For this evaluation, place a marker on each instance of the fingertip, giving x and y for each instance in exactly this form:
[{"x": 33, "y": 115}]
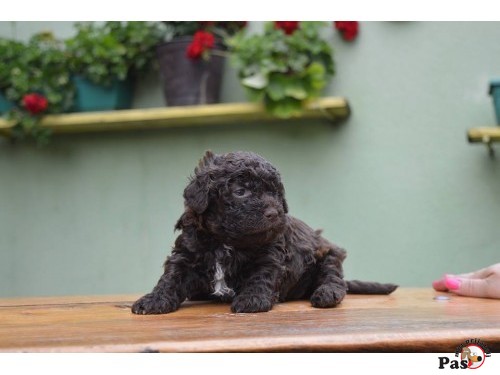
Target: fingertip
[
  {"x": 452, "y": 283},
  {"x": 439, "y": 286}
]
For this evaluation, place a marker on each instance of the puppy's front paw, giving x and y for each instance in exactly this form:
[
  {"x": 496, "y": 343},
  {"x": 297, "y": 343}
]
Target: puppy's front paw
[
  {"x": 154, "y": 304},
  {"x": 327, "y": 296},
  {"x": 250, "y": 304}
]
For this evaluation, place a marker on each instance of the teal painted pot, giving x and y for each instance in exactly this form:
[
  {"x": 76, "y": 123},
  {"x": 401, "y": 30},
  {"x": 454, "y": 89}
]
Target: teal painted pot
[
  {"x": 495, "y": 94},
  {"x": 90, "y": 97},
  {"x": 5, "y": 104}
]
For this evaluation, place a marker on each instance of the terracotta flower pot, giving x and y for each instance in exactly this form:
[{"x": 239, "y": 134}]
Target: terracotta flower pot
[{"x": 189, "y": 81}]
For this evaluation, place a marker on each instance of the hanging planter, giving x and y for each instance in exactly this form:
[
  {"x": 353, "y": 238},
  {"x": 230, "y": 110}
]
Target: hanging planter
[
  {"x": 10, "y": 53},
  {"x": 5, "y": 105},
  {"x": 495, "y": 94},
  {"x": 93, "y": 97},
  {"x": 190, "y": 80}
]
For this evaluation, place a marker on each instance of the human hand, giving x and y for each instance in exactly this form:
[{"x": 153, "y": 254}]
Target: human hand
[{"x": 482, "y": 283}]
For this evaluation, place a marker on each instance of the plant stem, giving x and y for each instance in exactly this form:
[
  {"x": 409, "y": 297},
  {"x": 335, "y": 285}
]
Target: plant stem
[{"x": 220, "y": 53}]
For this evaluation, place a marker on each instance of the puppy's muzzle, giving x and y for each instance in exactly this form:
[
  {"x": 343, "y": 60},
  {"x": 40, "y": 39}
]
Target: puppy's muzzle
[{"x": 271, "y": 214}]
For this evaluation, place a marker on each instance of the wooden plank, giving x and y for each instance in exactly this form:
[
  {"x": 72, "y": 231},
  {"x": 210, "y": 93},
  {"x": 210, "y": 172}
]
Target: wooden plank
[
  {"x": 407, "y": 320},
  {"x": 62, "y": 300},
  {"x": 484, "y": 134},
  {"x": 333, "y": 108}
]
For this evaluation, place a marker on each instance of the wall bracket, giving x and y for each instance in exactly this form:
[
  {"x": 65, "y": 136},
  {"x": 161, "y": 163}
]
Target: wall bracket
[{"x": 486, "y": 136}]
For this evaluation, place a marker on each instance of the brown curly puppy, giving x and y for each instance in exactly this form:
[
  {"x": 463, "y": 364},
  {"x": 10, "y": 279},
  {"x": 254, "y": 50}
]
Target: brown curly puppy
[{"x": 238, "y": 244}]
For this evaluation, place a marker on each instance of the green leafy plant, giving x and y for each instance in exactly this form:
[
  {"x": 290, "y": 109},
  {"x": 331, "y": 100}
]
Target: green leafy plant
[
  {"x": 182, "y": 28},
  {"x": 285, "y": 67},
  {"x": 10, "y": 50},
  {"x": 113, "y": 50},
  {"x": 34, "y": 77}
]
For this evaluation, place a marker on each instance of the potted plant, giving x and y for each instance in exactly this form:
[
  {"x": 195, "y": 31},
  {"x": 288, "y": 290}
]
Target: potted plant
[
  {"x": 10, "y": 50},
  {"x": 285, "y": 67},
  {"x": 38, "y": 83},
  {"x": 105, "y": 60},
  {"x": 494, "y": 91},
  {"x": 192, "y": 60}
]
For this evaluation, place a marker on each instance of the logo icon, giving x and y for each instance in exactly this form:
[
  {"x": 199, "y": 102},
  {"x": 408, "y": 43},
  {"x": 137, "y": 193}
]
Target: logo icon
[{"x": 472, "y": 354}]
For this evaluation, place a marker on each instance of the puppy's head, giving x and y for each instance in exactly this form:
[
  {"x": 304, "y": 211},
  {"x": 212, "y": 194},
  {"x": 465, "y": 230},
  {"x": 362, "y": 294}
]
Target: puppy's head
[{"x": 237, "y": 197}]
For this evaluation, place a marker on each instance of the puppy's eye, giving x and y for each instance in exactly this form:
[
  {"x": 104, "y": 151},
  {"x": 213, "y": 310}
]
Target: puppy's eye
[{"x": 242, "y": 193}]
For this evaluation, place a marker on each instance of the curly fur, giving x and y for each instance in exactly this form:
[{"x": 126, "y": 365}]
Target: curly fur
[{"x": 239, "y": 245}]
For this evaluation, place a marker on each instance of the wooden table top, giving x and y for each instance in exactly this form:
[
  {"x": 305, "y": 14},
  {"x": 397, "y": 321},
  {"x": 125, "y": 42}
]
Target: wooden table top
[{"x": 408, "y": 320}]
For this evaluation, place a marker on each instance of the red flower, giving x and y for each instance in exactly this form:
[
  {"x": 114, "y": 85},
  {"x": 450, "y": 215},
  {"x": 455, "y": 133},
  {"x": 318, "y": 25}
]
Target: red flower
[
  {"x": 348, "y": 29},
  {"x": 205, "y": 38},
  {"x": 288, "y": 27},
  {"x": 202, "y": 41},
  {"x": 35, "y": 103},
  {"x": 194, "y": 50}
]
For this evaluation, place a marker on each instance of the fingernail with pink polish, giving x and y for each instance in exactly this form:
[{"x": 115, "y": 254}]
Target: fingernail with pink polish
[{"x": 452, "y": 283}]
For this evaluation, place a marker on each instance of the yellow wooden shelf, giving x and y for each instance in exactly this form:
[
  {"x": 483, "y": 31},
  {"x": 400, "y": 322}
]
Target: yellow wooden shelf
[
  {"x": 484, "y": 134},
  {"x": 332, "y": 108}
]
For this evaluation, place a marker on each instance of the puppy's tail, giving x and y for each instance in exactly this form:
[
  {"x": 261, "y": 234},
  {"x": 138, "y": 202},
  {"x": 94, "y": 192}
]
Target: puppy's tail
[{"x": 368, "y": 287}]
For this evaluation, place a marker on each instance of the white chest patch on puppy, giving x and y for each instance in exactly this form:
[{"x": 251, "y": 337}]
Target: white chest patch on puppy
[{"x": 219, "y": 282}]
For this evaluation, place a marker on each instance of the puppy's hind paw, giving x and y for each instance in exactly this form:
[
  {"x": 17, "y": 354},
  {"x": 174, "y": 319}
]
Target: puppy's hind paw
[
  {"x": 154, "y": 304},
  {"x": 327, "y": 296}
]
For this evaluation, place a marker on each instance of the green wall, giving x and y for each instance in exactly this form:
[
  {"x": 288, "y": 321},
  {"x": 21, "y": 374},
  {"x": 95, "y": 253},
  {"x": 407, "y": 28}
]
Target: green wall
[{"x": 397, "y": 185}]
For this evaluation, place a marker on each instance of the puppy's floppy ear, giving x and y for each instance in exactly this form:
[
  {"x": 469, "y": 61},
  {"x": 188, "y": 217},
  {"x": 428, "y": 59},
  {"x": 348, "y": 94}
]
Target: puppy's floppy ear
[
  {"x": 282, "y": 191},
  {"x": 196, "y": 193},
  {"x": 285, "y": 205},
  {"x": 465, "y": 353}
]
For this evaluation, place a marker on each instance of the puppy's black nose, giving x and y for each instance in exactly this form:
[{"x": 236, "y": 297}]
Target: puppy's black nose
[
  {"x": 271, "y": 213},
  {"x": 479, "y": 358}
]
